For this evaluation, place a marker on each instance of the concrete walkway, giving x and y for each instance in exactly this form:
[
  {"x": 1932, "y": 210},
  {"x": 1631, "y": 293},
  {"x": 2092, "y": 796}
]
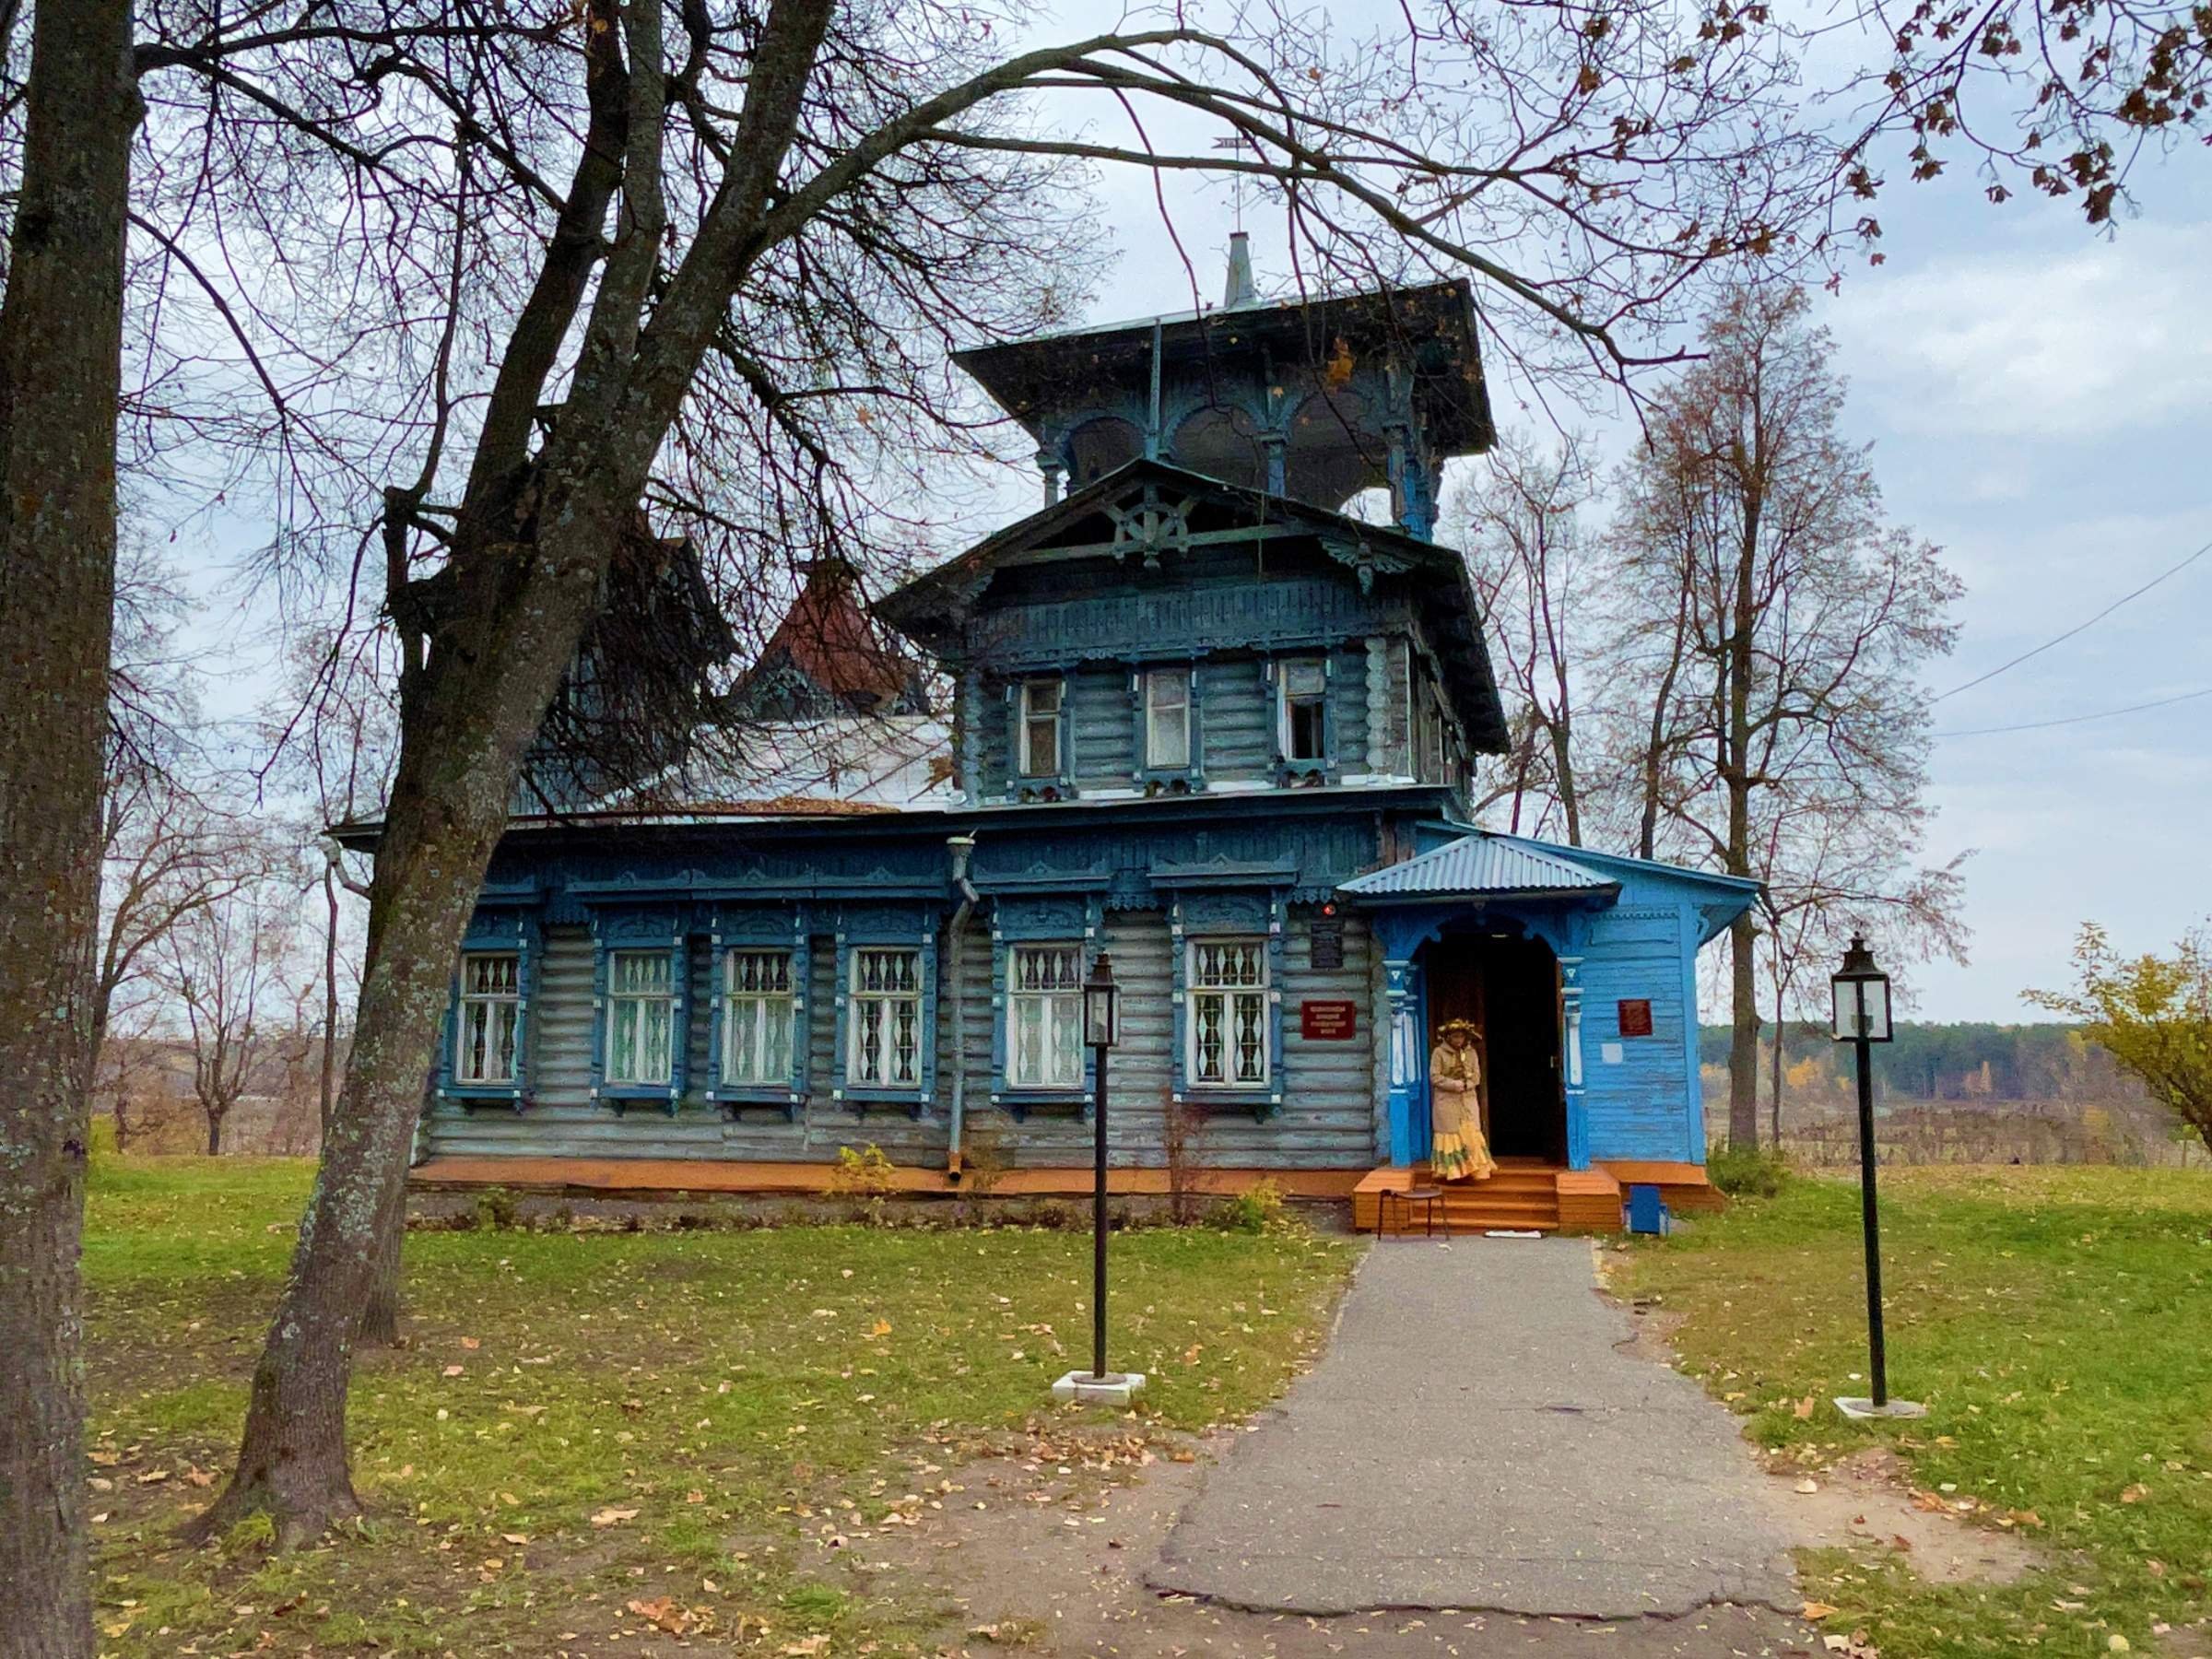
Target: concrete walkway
[{"x": 1475, "y": 1440}]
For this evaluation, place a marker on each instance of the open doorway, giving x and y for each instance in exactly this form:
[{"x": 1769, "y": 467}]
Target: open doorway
[{"x": 1508, "y": 985}]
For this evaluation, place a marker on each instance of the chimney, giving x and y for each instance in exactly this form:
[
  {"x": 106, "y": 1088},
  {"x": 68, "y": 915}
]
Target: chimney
[{"x": 1239, "y": 289}]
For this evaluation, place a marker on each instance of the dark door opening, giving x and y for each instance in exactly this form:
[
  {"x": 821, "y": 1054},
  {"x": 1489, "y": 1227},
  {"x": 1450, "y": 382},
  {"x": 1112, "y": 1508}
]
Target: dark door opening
[{"x": 1510, "y": 987}]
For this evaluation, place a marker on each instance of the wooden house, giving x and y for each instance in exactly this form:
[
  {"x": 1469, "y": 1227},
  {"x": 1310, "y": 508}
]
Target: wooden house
[{"x": 1203, "y": 720}]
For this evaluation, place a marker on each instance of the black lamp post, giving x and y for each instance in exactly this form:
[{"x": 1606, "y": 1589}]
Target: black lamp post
[
  {"x": 1860, "y": 999},
  {"x": 1101, "y": 1030}
]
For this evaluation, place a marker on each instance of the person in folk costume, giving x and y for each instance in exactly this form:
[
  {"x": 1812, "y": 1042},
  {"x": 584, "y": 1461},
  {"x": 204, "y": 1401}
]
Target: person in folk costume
[{"x": 1460, "y": 1151}]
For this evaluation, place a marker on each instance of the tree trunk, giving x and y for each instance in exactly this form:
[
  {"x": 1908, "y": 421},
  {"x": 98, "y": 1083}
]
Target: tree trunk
[
  {"x": 470, "y": 706},
  {"x": 330, "y": 997},
  {"x": 379, "y": 1323},
  {"x": 1735, "y": 774},
  {"x": 1776, "y": 1066},
  {"x": 474, "y": 716},
  {"x": 61, "y": 344},
  {"x": 1743, "y": 1036},
  {"x": 215, "y": 1133}
]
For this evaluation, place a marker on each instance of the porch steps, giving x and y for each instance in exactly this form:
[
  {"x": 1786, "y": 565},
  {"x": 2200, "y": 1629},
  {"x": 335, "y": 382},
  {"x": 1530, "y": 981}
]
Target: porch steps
[{"x": 1523, "y": 1197}]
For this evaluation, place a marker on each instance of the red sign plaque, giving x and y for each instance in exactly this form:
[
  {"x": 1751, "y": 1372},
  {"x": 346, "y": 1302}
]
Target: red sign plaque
[
  {"x": 1636, "y": 1018},
  {"x": 1328, "y": 1021}
]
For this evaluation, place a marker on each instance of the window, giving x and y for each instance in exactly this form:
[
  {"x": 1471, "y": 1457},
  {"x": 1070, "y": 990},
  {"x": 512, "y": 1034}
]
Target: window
[
  {"x": 1044, "y": 1016},
  {"x": 641, "y": 1017},
  {"x": 756, "y": 1018},
  {"x": 1228, "y": 1013},
  {"x": 1305, "y": 695},
  {"x": 1040, "y": 728},
  {"x": 492, "y": 1003},
  {"x": 885, "y": 1045},
  {"x": 1167, "y": 719}
]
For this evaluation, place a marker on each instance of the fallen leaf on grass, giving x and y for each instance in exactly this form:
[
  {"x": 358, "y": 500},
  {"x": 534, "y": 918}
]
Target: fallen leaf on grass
[
  {"x": 811, "y": 1644},
  {"x": 1803, "y": 1409},
  {"x": 153, "y": 1477},
  {"x": 609, "y": 1517},
  {"x": 470, "y": 1342},
  {"x": 514, "y": 1538},
  {"x": 663, "y": 1614},
  {"x": 1817, "y": 1611},
  {"x": 882, "y": 1327},
  {"x": 2135, "y": 1494},
  {"x": 453, "y": 1370}
]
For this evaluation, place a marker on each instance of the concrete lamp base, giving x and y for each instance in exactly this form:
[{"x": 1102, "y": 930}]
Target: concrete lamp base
[
  {"x": 1115, "y": 1388},
  {"x": 1861, "y": 1410}
]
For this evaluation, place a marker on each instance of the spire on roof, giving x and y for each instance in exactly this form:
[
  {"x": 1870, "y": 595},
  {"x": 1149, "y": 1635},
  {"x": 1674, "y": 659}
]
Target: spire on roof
[{"x": 1240, "y": 291}]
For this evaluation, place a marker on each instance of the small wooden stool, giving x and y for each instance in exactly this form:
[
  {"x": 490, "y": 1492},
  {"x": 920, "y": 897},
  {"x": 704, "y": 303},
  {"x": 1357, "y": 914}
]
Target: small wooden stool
[{"x": 1427, "y": 1197}]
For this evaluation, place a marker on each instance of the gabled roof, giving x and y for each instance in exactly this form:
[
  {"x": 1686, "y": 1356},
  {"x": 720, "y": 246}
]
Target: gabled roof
[
  {"x": 1479, "y": 865},
  {"x": 931, "y": 608},
  {"x": 829, "y": 657}
]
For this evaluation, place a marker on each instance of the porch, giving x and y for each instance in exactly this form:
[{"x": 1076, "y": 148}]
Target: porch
[{"x": 1529, "y": 1194}]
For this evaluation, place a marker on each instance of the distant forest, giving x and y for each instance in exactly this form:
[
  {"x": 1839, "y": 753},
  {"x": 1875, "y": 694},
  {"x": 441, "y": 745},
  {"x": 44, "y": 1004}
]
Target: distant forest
[
  {"x": 1953, "y": 1094},
  {"x": 1966, "y": 1061}
]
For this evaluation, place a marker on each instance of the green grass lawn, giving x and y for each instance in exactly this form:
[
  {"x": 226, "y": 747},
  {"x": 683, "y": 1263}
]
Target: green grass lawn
[
  {"x": 584, "y": 1421},
  {"x": 2057, "y": 1323}
]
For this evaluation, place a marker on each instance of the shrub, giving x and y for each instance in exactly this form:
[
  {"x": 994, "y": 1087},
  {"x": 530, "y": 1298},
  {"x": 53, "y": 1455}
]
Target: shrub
[
  {"x": 865, "y": 1174},
  {"x": 496, "y": 1209},
  {"x": 1748, "y": 1172},
  {"x": 1259, "y": 1208}
]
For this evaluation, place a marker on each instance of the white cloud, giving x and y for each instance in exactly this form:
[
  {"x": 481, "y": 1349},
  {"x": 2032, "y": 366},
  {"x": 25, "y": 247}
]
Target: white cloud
[{"x": 2032, "y": 343}]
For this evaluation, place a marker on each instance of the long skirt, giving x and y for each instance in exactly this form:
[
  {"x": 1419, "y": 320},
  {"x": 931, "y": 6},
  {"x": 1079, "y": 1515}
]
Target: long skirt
[{"x": 1459, "y": 1151}]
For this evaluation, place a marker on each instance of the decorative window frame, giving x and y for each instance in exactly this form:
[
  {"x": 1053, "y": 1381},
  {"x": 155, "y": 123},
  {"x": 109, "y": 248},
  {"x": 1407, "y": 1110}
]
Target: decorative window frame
[
  {"x": 1228, "y": 914},
  {"x": 1037, "y": 920},
  {"x": 786, "y": 927},
  {"x": 642, "y": 928},
  {"x": 876, "y": 927},
  {"x": 507, "y": 923},
  {"x": 1059, "y": 781},
  {"x": 1191, "y": 775},
  {"x": 1324, "y": 767}
]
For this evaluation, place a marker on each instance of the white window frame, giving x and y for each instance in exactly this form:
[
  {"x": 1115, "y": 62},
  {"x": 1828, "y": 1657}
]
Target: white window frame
[
  {"x": 859, "y": 1074},
  {"x": 776, "y": 1006},
  {"x": 1228, "y": 992},
  {"x": 1318, "y": 700},
  {"x": 1164, "y": 716},
  {"x": 629, "y": 1008},
  {"x": 490, "y": 1020},
  {"x": 1034, "y": 720},
  {"x": 1059, "y": 1009}
]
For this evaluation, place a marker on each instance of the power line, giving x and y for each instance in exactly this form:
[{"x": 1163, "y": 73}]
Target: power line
[
  {"x": 2038, "y": 725},
  {"x": 2070, "y": 632}
]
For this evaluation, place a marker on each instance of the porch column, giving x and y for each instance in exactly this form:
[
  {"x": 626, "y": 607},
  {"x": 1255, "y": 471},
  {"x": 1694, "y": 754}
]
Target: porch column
[
  {"x": 1399, "y": 1019},
  {"x": 1570, "y": 1060}
]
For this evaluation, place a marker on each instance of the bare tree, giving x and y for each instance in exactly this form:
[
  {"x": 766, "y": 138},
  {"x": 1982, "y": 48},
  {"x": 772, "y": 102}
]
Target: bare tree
[
  {"x": 61, "y": 345},
  {"x": 1530, "y": 556},
  {"x": 1752, "y": 544},
  {"x": 224, "y": 966},
  {"x": 1835, "y": 871}
]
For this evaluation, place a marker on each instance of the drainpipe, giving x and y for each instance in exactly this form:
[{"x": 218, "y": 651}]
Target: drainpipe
[{"x": 962, "y": 848}]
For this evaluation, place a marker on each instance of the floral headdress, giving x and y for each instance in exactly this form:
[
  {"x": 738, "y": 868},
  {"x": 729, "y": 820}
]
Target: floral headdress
[{"x": 1468, "y": 1026}]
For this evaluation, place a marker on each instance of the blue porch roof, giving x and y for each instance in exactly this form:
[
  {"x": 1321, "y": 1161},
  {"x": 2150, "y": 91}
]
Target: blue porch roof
[{"x": 1480, "y": 866}]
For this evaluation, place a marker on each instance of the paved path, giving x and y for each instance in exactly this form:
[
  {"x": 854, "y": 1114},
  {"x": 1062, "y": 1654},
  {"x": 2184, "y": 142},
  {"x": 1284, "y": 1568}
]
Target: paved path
[{"x": 1475, "y": 1440}]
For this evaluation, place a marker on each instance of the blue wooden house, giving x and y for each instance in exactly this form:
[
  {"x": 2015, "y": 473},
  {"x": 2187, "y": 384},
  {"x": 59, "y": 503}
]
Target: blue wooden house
[{"x": 1202, "y": 719}]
